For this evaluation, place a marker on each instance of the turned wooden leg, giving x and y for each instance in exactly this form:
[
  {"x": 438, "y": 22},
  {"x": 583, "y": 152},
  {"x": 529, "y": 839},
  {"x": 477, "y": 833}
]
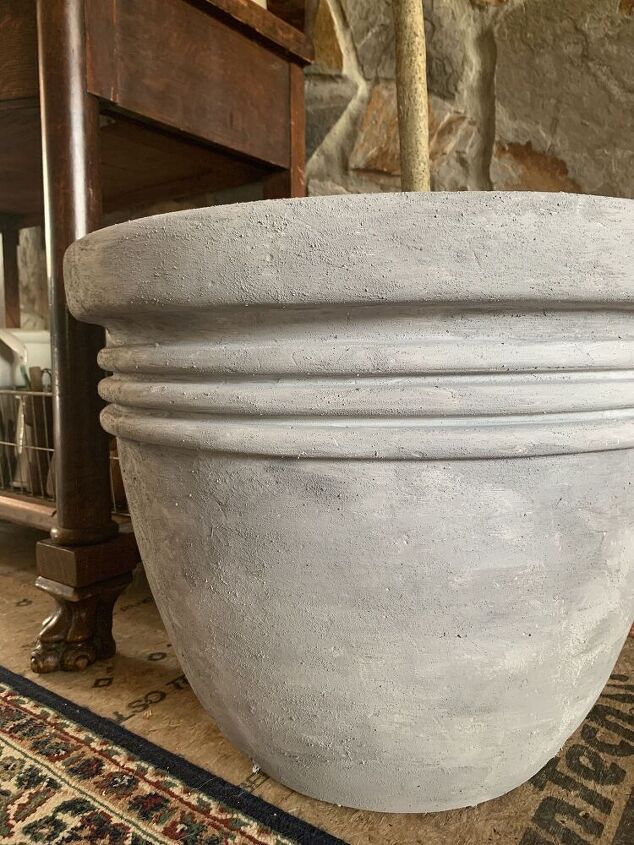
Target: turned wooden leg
[
  {"x": 79, "y": 631},
  {"x": 82, "y": 567}
]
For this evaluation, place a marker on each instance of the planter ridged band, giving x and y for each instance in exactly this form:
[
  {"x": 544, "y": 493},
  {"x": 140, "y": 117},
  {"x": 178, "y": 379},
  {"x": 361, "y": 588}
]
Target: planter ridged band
[{"x": 378, "y": 455}]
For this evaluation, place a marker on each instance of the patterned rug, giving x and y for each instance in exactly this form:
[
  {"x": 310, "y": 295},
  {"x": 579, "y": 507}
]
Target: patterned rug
[{"x": 70, "y": 776}]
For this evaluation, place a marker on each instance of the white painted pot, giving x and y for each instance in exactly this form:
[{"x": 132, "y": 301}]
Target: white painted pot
[{"x": 378, "y": 455}]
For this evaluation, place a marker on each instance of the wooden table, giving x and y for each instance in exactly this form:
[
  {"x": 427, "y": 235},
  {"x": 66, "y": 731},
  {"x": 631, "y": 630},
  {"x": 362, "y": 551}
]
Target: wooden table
[{"x": 121, "y": 103}]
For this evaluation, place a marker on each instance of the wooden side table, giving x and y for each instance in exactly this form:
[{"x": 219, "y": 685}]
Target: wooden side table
[{"x": 121, "y": 103}]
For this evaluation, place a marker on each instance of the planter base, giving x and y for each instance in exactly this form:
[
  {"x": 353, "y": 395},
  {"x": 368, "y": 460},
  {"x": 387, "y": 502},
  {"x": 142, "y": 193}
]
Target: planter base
[{"x": 401, "y": 636}]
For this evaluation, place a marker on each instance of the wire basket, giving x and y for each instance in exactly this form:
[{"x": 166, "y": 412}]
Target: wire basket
[
  {"x": 26, "y": 443},
  {"x": 27, "y": 456}
]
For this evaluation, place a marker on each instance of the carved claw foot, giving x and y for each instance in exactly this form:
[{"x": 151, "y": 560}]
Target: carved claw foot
[{"x": 79, "y": 631}]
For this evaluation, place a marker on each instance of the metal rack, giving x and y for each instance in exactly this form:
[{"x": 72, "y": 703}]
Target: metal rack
[
  {"x": 27, "y": 453},
  {"x": 26, "y": 443}
]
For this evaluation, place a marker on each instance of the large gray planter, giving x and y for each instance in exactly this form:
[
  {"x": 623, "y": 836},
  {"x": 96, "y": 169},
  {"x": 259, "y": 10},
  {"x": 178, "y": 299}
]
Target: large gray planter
[{"x": 378, "y": 454}]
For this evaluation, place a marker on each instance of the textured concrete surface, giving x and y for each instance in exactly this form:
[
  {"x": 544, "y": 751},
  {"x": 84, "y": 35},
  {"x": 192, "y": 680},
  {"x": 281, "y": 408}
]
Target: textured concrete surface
[
  {"x": 144, "y": 689},
  {"x": 377, "y": 450}
]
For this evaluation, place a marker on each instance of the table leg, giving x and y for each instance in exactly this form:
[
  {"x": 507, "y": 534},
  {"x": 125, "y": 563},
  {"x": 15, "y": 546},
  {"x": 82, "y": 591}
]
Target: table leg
[
  {"x": 291, "y": 182},
  {"x": 72, "y": 207}
]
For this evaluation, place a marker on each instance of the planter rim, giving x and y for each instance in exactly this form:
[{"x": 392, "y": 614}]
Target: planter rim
[
  {"x": 515, "y": 247},
  {"x": 392, "y": 326}
]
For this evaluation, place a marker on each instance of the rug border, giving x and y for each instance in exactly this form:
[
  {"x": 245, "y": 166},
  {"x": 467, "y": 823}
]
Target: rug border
[{"x": 193, "y": 776}]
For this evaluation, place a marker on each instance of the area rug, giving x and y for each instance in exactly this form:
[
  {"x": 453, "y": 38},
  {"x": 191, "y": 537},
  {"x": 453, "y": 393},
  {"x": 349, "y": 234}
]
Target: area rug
[{"x": 70, "y": 776}]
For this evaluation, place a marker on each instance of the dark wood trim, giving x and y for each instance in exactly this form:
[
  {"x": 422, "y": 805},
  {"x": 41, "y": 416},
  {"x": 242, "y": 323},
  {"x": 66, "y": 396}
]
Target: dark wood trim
[
  {"x": 72, "y": 207},
  {"x": 247, "y": 112},
  {"x": 298, "y": 133},
  {"x": 19, "y": 103},
  {"x": 296, "y": 13},
  {"x": 25, "y": 221},
  {"x": 268, "y": 28},
  {"x": 161, "y": 192},
  {"x": 28, "y": 512},
  {"x": 291, "y": 181},
  {"x": 214, "y": 169},
  {"x": 80, "y": 566},
  {"x": 101, "y": 49},
  {"x": 10, "y": 239},
  {"x": 18, "y": 49}
]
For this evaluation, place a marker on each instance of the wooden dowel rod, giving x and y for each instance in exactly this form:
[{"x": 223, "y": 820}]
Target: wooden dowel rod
[{"x": 411, "y": 88}]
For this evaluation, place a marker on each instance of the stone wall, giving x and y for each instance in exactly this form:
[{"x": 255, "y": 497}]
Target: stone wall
[{"x": 524, "y": 95}]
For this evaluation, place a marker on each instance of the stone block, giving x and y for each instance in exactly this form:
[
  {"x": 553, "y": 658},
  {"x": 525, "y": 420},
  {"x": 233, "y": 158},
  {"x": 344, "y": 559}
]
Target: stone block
[
  {"x": 564, "y": 97},
  {"x": 451, "y": 134},
  {"x": 328, "y": 53},
  {"x": 370, "y": 23},
  {"x": 519, "y": 167},
  {"x": 326, "y": 100},
  {"x": 377, "y": 143}
]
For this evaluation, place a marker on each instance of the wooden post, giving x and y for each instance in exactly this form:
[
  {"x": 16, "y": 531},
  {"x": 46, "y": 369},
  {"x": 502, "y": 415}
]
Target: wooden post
[
  {"x": 85, "y": 565},
  {"x": 72, "y": 208},
  {"x": 411, "y": 88},
  {"x": 291, "y": 183}
]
